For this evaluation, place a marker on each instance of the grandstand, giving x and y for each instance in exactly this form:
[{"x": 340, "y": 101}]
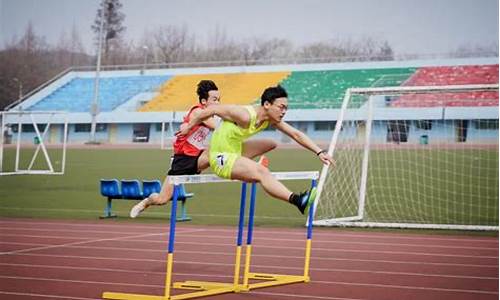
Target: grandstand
[
  {"x": 139, "y": 106},
  {"x": 77, "y": 94},
  {"x": 451, "y": 75},
  {"x": 237, "y": 88},
  {"x": 325, "y": 89}
]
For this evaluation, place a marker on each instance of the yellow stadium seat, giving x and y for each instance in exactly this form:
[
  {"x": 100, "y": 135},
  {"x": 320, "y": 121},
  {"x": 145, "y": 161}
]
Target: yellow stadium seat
[{"x": 179, "y": 93}]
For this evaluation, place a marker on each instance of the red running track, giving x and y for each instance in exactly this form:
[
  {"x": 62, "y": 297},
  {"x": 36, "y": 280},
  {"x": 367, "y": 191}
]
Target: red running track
[{"x": 45, "y": 259}]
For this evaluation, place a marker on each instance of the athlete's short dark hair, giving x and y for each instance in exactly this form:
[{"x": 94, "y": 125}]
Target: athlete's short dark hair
[
  {"x": 204, "y": 87},
  {"x": 272, "y": 93}
]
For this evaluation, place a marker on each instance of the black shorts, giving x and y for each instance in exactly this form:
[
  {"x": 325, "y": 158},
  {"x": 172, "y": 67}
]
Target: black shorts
[{"x": 184, "y": 165}]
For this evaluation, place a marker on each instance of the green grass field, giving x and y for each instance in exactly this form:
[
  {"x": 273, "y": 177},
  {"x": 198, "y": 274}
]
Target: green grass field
[
  {"x": 442, "y": 186},
  {"x": 75, "y": 195}
]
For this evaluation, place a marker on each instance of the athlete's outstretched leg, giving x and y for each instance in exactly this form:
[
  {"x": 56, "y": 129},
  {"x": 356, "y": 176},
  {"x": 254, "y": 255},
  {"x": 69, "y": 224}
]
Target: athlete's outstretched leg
[
  {"x": 245, "y": 169},
  {"x": 254, "y": 148},
  {"x": 167, "y": 190}
]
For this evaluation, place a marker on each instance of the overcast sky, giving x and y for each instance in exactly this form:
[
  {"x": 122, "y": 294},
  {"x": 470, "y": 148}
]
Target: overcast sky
[{"x": 410, "y": 26}]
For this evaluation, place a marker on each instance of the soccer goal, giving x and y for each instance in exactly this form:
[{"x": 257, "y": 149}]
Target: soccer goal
[
  {"x": 413, "y": 157},
  {"x": 33, "y": 142}
]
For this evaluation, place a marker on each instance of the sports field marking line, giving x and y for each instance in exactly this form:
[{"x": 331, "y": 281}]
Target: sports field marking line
[
  {"x": 489, "y": 266},
  {"x": 253, "y": 292},
  {"x": 317, "y": 234},
  {"x": 156, "y": 214},
  {"x": 163, "y": 273},
  {"x": 302, "y": 296},
  {"x": 47, "y": 296},
  {"x": 67, "y": 245},
  {"x": 188, "y": 233},
  {"x": 165, "y": 231},
  {"x": 260, "y": 238},
  {"x": 312, "y": 282},
  {"x": 70, "y": 244},
  {"x": 79, "y": 245}
]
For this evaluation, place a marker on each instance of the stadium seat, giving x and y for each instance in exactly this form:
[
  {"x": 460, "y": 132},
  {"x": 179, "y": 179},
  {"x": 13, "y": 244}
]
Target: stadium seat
[
  {"x": 454, "y": 75},
  {"x": 150, "y": 186},
  {"x": 111, "y": 190},
  {"x": 131, "y": 190},
  {"x": 154, "y": 186},
  {"x": 326, "y": 89},
  {"x": 77, "y": 95},
  {"x": 178, "y": 93}
]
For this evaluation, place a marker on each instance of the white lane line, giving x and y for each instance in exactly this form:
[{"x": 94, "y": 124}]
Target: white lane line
[
  {"x": 290, "y": 231},
  {"x": 70, "y": 244},
  {"x": 46, "y": 296},
  {"x": 280, "y": 267},
  {"x": 189, "y": 234},
  {"x": 67, "y": 245},
  {"x": 158, "y": 214},
  {"x": 312, "y": 282},
  {"x": 252, "y": 292},
  {"x": 301, "y": 296},
  {"x": 330, "y": 269},
  {"x": 315, "y": 249}
]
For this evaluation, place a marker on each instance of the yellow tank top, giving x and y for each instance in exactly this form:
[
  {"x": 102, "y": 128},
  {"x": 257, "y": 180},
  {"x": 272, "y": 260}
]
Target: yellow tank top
[{"x": 229, "y": 137}]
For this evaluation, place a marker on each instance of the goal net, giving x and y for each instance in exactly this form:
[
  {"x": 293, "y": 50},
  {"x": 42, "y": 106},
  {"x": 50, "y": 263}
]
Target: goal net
[
  {"x": 33, "y": 142},
  {"x": 413, "y": 157}
]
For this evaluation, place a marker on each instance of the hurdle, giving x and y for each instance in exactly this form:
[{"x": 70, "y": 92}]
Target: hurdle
[{"x": 207, "y": 288}]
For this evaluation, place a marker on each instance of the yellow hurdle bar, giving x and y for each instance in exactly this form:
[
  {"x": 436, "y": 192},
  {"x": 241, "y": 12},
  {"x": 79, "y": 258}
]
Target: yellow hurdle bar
[
  {"x": 237, "y": 264},
  {"x": 168, "y": 277},
  {"x": 307, "y": 260},
  {"x": 246, "y": 275},
  {"x": 273, "y": 279}
]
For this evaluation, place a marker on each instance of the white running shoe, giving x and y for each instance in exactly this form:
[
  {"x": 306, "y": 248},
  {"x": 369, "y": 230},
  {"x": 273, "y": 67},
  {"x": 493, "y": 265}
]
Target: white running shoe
[{"x": 138, "y": 208}]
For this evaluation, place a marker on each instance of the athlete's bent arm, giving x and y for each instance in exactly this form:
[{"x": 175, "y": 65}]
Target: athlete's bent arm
[
  {"x": 233, "y": 113},
  {"x": 209, "y": 122},
  {"x": 303, "y": 140}
]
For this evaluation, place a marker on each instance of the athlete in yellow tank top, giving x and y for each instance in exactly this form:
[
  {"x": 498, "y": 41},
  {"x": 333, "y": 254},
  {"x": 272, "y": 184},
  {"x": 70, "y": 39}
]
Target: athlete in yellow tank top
[
  {"x": 230, "y": 153},
  {"x": 226, "y": 144}
]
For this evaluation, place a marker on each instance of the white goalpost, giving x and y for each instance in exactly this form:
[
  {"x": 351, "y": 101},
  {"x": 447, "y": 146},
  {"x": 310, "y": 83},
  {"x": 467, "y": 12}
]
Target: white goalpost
[
  {"x": 39, "y": 148},
  {"x": 413, "y": 157}
]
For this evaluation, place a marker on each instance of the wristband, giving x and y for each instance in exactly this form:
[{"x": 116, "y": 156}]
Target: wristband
[{"x": 321, "y": 151}]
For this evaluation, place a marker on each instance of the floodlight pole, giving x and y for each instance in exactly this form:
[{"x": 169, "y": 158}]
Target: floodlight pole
[
  {"x": 145, "y": 48},
  {"x": 94, "y": 109},
  {"x": 20, "y": 85}
]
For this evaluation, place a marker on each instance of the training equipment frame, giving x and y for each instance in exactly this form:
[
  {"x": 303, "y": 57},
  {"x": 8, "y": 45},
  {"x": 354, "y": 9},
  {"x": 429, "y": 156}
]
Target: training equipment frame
[
  {"x": 365, "y": 115},
  {"x": 203, "y": 288}
]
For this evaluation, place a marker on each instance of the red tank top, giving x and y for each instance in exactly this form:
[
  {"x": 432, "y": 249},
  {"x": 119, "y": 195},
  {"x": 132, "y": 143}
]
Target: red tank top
[{"x": 193, "y": 143}]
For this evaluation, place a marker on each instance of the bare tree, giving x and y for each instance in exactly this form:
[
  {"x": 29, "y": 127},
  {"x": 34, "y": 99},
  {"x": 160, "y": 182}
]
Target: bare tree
[
  {"x": 70, "y": 50},
  {"x": 367, "y": 49},
  {"x": 24, "y": 64},
  {"x": 171, "y": 42},
  {"x": 477, "y": 50}
]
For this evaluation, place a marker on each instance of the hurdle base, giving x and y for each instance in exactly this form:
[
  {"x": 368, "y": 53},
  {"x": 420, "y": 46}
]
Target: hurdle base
[
  {"x": 202, "y": 288},
  {"x": 274, "y": 279},
  {"x": 124, "y": 296},
  {"x": 110, "y": 216}
]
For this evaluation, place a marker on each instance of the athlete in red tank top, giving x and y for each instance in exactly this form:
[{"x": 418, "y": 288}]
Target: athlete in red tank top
[
  {"x": 194, "y": 142},
  {"x": 189, "y": 155}
]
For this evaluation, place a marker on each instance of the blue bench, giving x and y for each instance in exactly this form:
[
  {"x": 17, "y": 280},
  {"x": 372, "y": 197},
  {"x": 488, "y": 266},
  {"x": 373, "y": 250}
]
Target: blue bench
[{"x": 131, "y": 190}]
